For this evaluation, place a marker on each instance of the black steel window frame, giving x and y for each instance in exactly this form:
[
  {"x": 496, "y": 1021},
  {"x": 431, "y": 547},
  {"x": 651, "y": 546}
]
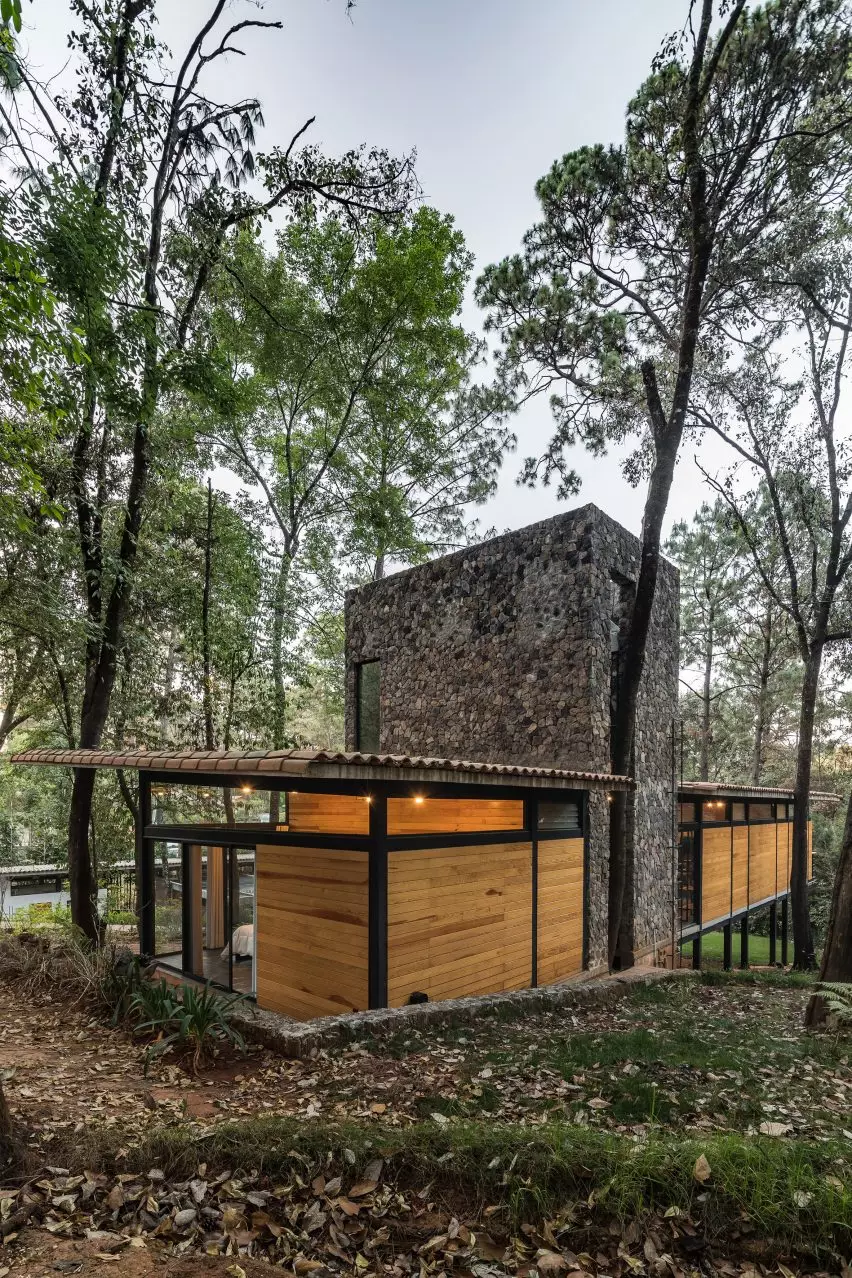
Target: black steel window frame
[{"x": 377, "y": 845}]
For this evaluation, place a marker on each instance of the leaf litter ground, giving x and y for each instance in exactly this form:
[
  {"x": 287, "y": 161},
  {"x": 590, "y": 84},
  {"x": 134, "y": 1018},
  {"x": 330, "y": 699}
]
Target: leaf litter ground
[{"x": 684, "y": 1056}]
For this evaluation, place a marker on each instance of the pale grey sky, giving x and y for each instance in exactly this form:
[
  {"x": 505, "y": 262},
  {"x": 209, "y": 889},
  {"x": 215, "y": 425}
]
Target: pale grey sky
[{"x": 490, "y": 92}]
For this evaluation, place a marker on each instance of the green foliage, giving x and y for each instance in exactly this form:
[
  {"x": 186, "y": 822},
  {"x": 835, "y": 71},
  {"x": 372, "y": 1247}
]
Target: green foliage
[
  {"x": 838, "y": 1000},
  {"x": 196, "y": 1019}
]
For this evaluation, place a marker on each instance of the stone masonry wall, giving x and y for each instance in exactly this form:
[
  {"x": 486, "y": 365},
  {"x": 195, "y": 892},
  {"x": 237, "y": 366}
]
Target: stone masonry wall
[{"x": 501, "y": 652}]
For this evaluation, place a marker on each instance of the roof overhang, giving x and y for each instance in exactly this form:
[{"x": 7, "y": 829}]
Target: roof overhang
[
  {"x": 708, "y": 789},
  {"x": 325, "y": 765}
]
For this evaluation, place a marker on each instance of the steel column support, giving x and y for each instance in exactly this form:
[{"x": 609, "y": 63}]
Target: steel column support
[
  {"x": 728, "y": 946},
  {"x": 377, "y": 943},
  {"x": 744, "y": 941},
  {"x": 696, "y": 952},
  {"x": 773, "y": 933}
]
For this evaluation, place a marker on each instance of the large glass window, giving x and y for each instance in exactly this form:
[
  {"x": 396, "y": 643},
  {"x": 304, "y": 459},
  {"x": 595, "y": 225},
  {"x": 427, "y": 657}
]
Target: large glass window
[
  {"x": 687, "y": 813},
  {"x": 714, "y": 810},
  {"x": 204, "y": 916},
  {"x": 368, "y": 706},
  {"x": 177, "y": 804},
  {"x": 760, "y": 812},
  {"x": 738, "y": 811},
  {"x": 168, "y": 899}
]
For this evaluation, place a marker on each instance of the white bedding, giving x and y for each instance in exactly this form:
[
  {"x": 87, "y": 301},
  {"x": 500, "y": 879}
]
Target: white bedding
[{"x": 242, "y": 941}]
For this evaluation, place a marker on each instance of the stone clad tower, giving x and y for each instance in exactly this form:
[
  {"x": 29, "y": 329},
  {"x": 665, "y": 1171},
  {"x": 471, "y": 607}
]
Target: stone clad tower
[{"x": 509, "y": 651}]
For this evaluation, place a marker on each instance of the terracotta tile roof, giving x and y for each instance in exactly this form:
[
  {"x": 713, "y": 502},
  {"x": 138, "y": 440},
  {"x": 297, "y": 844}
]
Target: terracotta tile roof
[
  {"x": 752, "y": 791},
  {"x": 318, "y": 764}
]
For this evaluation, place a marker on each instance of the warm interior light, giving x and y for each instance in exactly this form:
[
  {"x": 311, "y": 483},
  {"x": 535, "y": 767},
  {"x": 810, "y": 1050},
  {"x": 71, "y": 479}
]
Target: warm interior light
[
  {"x": 246, "y": 789},
  {"x": 418, "y": 798},
  {"x": 368, "y": 798}
]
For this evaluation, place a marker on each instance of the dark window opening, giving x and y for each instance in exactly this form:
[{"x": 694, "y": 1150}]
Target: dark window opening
[
  {"x": 738, "y": 812},
  {"x": 36, "y": 885},
  {"x": 760, "y": 812},
  {"x": 687, "y": 881},
  {"x": 559, "y": 816},
  {"x": 367, "y": 706}
]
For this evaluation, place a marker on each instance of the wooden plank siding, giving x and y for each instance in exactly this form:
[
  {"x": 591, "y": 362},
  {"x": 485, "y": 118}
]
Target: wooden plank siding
[
  {"x": 761, "y": 879},
  {"x": 715, "y": 872},
  {"x": 560, "y": 909},
  {"x": 742, "y": 836},
  {"x": 327, "y": 813},
  {"x": 454, "y": 816},
  {"x": 312, "y": 927},
  {"x": 459, "y": 921}
]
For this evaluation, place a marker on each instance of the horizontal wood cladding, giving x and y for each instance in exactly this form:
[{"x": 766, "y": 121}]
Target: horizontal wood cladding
[
  {"x": 761, "y": 879},
  {"x": 311, "y": 955},
  {"x": 459, "y": 921},
  {"x": 327, "y": 813},
  {"x": 742, "y": 833},
  {"x": 715, "y": 873},
  {"x": 560, "y": 909},
  {"x": 454, "y": 816}
]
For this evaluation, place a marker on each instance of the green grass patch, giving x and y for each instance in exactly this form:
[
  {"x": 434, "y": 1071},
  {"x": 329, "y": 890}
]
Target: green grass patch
[{"x": 794, "y": 1194}]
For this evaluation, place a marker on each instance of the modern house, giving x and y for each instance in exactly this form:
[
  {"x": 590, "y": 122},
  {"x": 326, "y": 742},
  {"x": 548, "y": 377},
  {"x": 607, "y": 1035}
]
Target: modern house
[{"x": 460, "y": 845}]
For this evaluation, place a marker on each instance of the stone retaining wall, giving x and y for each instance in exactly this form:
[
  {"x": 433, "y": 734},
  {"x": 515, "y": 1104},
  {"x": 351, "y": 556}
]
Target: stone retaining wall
[{"x": 300, "y": 1039}]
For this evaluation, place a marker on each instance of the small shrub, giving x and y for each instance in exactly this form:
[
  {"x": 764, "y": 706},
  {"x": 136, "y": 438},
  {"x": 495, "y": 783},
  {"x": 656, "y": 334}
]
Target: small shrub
[
  {"x": 124, "y": 918},
  {"x": 204, "y": 1021}
]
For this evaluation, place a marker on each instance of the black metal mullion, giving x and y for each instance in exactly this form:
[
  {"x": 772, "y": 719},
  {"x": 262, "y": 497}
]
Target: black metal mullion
[
  {"x": 377, "y": 931},
  {"x": 586, "y": 880},
  {"x": 531, "y": 823}
]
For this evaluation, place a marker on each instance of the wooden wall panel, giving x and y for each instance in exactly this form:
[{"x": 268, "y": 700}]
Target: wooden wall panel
[
  {"x": 459, "y": 921},
  {"x": 762, "y": 869},
  {"x": 312, "y": 923},
  {"x": 715, "y": 873},
  {"x": 785, "y": 851},
  {"x": 560, "y": 909},
  {"x": 327, "y": 813},
  {"x": 741, "y": 844},
  {"x": 454, "y": 816}
]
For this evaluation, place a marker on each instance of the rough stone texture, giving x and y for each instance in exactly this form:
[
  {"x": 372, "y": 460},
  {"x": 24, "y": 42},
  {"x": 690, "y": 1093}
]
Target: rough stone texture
[
  {"x": 299, "y": 1039},
  {"x": 502, "y": 652}
]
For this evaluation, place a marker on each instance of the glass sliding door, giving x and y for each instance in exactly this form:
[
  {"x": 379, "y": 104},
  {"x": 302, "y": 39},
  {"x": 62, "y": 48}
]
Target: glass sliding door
[
  {"x": 243, "y": 920},
  {"x": 205, "y": 913}
]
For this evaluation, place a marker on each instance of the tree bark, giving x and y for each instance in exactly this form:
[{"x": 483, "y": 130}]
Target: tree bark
[
  {"x": 837, "y": 955},
  {"x": 705, "y": 710},
  {"x": 803, "y": 944},
  {"x": 207, "y": 676},
  {"x": 762, "y": 702},
  {"x": 279, "y": 689}
]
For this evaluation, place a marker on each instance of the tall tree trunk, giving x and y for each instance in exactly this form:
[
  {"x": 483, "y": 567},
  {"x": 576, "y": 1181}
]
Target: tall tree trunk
[
  {"x": 379, "y": 568},
  {"x": 803, "y": 944},
  {"x": 279, "y": 689},
  {"x": 705, "y": 708},
  {"x": 837, "y": 954},
  {"x": 207, "y": 678},
  {"x": 624, "y": 720},
  {"x": 762, "y": 703},
  {"x": 279, "y": 617}
]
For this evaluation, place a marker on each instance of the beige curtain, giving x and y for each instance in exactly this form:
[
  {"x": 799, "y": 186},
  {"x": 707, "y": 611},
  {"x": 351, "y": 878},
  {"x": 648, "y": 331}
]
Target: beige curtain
[{"x": 215, "y": 898}]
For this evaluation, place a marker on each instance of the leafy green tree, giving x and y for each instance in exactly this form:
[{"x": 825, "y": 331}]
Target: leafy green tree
[
  {"x": 706, "y": 553},
  {"x": 790, "y": 436},
  {"x": 128, "y": 222},
  {"x": 650, "y": 259},
  {"x": 346, "y": 360}
]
